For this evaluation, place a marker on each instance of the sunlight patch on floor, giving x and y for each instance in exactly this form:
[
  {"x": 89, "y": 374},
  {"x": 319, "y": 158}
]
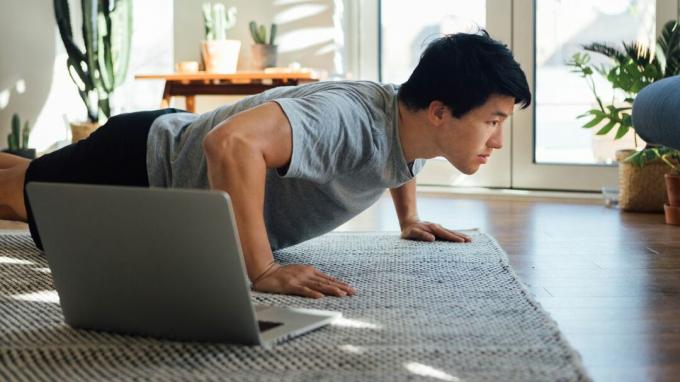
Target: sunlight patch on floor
[
  {"x": 350, "y": 323},
  {"x": 12, "y": 260},
  {"x": 42, "y": 296},
  {"x": 429, "y": 371}
]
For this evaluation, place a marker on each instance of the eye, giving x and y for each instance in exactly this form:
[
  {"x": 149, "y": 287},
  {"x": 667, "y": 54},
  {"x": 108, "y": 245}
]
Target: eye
[{"x": 495, "y": 123}]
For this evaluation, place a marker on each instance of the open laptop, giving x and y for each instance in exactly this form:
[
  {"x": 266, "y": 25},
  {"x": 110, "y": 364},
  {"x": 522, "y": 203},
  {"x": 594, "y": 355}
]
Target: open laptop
[{"x": 164, "y": 263}]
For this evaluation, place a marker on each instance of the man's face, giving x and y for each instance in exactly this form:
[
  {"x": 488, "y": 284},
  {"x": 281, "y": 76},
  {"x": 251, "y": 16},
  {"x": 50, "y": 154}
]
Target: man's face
[{"x": 468, "y": 142}]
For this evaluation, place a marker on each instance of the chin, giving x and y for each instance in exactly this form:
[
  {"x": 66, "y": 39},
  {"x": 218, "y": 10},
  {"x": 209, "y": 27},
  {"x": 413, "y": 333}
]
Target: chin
[
  {"x": 468, "y": 170},
  {"x": 465, "y": 168}
]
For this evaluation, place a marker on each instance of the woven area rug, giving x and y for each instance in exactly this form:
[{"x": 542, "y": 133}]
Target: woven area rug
[{"x": 425, "y": 311}]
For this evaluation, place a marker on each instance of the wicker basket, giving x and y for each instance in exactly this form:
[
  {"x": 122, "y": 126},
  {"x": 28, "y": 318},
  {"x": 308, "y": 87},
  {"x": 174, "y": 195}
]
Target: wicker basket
[{"x": 641, "y": 189}]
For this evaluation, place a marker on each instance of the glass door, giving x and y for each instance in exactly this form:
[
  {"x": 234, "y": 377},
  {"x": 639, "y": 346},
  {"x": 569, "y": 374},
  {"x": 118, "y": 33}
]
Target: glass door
[{"x": 551, "y": 149}]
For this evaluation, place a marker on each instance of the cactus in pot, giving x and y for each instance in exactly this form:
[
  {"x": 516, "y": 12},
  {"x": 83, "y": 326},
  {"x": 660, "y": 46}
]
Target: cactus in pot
[
  {"x": 219, "y": 53},
  {"x": 259, "y": 33},
  {"x": 264, "y": 50},
  {"x": 17, "y": 140}
]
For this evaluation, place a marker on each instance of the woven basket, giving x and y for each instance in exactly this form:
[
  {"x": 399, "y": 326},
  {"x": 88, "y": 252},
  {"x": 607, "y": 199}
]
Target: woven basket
[{"x": 641, "y": 189}]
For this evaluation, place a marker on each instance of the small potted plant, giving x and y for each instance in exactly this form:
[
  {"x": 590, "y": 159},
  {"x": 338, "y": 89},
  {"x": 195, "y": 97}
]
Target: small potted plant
[
  {"x": 263, "y": 51},
  {"x": 102, "y": 66},
  {"x": 672, "y": 158},
  {"x": 634, "y": 67},
  {"x": 17, "y": 140},
  {"x": 220, "y": 55}
]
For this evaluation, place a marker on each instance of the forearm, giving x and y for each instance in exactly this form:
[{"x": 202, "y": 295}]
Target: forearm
[
  {"x": 240, "y": 171},
  {"x": 404, "y": 199}
]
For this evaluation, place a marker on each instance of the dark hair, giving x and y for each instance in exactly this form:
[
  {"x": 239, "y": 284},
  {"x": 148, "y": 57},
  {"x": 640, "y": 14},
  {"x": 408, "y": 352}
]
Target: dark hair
[{"x": 462, "y": 70}]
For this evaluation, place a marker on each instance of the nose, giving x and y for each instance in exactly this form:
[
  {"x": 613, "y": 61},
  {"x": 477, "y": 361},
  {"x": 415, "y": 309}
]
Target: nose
[{"x": 496, "y": 140}]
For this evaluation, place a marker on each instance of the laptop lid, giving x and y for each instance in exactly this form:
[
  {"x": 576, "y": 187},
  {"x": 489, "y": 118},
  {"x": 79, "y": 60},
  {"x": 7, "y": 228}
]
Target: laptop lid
[{"x": 159, "y": 262}]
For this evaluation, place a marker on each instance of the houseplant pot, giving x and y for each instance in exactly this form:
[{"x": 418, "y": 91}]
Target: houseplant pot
[
  {"x": 263, "y": 56},
  {"x": 82, "y": 130},
  {"x": 220, "y": 56},
  {"x": 24, "y": 153},
  {"x": 264, "y": 51},
  {"x": 641, "y": 189},
  {"x": 672, "y": 208},
  {"x": 17, "y": 140}
]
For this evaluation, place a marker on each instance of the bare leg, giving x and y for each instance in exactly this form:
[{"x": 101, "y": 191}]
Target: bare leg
[
  {"x": 10, "y": 160},
  {"x": 12, "y": 192}
]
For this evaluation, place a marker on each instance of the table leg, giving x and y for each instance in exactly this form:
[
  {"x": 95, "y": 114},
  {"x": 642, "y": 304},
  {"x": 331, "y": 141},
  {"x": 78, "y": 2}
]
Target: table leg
[
  {"x": 191, "y": 103},
  {"x": 165, "y": 102}
]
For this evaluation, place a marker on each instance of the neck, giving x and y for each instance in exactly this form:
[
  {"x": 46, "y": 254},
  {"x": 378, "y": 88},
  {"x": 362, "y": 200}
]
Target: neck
[{"x": 414, "y": 134}]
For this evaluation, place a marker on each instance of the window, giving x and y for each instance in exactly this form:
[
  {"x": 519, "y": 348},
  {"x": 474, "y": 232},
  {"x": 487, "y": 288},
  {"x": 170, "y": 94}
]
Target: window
[{"x": 562, "y": 27}]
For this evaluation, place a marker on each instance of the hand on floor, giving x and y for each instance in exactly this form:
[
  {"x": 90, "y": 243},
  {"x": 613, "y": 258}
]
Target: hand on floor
[
  {"x": 426, "y": 231},
  {"x": 302, "y": 280}
]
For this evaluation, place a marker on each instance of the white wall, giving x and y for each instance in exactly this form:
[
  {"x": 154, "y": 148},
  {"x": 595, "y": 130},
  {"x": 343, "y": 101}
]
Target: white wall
[
  {"x": 34, "y": 81},
  {"x": 310, "y": 32}
]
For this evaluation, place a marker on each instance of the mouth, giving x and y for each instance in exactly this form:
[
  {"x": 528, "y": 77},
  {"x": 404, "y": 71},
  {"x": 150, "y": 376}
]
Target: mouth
[{"x": 483, "y": 158}]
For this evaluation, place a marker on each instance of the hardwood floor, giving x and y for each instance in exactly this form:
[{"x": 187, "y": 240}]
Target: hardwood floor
[{"x": 611, "y": 280}]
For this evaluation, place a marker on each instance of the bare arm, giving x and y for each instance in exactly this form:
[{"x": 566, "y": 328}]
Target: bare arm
[
  {"x": 238, "y": 153},
  {"x": 404, "y": 198}
]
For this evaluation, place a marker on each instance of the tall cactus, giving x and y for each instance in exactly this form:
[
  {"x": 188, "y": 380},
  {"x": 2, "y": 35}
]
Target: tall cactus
[{"x": 99, "y": 69}]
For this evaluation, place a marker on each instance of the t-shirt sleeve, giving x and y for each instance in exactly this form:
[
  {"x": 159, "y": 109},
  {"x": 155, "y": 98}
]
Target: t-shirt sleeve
[{"x": 332, "y": 134}]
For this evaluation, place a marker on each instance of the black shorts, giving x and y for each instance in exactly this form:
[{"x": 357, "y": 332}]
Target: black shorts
[{"x": 115, "y": 154}]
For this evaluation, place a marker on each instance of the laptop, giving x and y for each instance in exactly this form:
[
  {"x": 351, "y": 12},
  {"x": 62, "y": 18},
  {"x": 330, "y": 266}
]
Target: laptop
[{"x": 163, "y": 263}]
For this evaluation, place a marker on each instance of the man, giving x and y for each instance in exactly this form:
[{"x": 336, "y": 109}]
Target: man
[{"x": 300, "y": 161}]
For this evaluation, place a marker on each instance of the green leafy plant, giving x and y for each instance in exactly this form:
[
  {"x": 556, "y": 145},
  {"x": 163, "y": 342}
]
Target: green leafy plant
[
  {"x": 670, "y": 156},
  {"x": 635, "y": 66},
  {"x": 217, "y": 20},
  {"x": 102, "y": 66},
  {"x": 259, "y": 33},
  {"x": 18, "y": 138}
]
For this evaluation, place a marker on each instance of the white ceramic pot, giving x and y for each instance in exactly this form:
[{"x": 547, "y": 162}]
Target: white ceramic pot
[{"x": 221, "y": 56}]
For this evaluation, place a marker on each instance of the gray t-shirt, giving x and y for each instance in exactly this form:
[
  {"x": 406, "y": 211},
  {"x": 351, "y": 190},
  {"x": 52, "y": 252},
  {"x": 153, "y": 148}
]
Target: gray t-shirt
[{"x": 346, "y": 152}]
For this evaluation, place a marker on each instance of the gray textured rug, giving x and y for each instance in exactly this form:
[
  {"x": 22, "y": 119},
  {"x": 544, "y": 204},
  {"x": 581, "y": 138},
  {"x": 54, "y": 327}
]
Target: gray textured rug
[{"x": 431, "y": 311}]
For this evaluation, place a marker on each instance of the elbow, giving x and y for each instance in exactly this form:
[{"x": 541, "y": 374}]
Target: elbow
[{"x": 225, "y": 141}]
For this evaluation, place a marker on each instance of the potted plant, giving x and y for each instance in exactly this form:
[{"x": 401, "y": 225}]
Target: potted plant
[
  {"x": 102, "y": 66},
  {"x": 17, "y": 140},
  {"x": 634, "y": 67},
  {"x": 670, "y": 157},
  {"x": 263, "y": 51},
  {"x": 219, "y": 54}
]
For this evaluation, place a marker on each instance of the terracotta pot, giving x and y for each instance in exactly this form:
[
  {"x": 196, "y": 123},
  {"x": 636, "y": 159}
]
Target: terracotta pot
[
  {"x": 82, "y": 130},
  {"x": 263, "y": 56},
  {"x": 672, "y": 214},
  {"x": 221, "y": 56},
  {"x": 673, "y": 189}
]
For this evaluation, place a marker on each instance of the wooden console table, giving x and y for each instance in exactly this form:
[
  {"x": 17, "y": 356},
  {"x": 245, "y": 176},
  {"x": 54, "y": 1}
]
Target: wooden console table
[{"x": 241, "y": 83}]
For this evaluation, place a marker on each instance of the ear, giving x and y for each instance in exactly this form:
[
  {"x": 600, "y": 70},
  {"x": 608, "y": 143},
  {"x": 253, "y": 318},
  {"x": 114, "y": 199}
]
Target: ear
[{"x": 437, "y": 112}]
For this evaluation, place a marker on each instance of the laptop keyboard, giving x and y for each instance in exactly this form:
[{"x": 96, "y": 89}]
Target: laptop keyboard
[{"x": 266, "y": 325}]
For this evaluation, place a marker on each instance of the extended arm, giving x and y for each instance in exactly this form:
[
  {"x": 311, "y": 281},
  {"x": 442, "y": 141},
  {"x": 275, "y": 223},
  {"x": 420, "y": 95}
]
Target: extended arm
[
  {"x": 238, "y": 153},
  {"x": 404, "y": 198}
]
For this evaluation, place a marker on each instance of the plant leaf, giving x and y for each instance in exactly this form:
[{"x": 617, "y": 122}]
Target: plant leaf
[{"x": 607, "y": 128}]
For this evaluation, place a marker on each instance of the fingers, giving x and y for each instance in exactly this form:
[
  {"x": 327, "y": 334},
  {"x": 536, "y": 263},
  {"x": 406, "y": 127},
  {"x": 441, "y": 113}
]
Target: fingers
[
  {"x": 335, "y": 282},
  {"x": 306, "y": 292},
  {"x": 304, "y": 280},
  {"x": 420, "y": 234},
  {"x": 449, "y": 235},
  {"x": 330, "y": 288},
  {"x": 430, "y": 232}
]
